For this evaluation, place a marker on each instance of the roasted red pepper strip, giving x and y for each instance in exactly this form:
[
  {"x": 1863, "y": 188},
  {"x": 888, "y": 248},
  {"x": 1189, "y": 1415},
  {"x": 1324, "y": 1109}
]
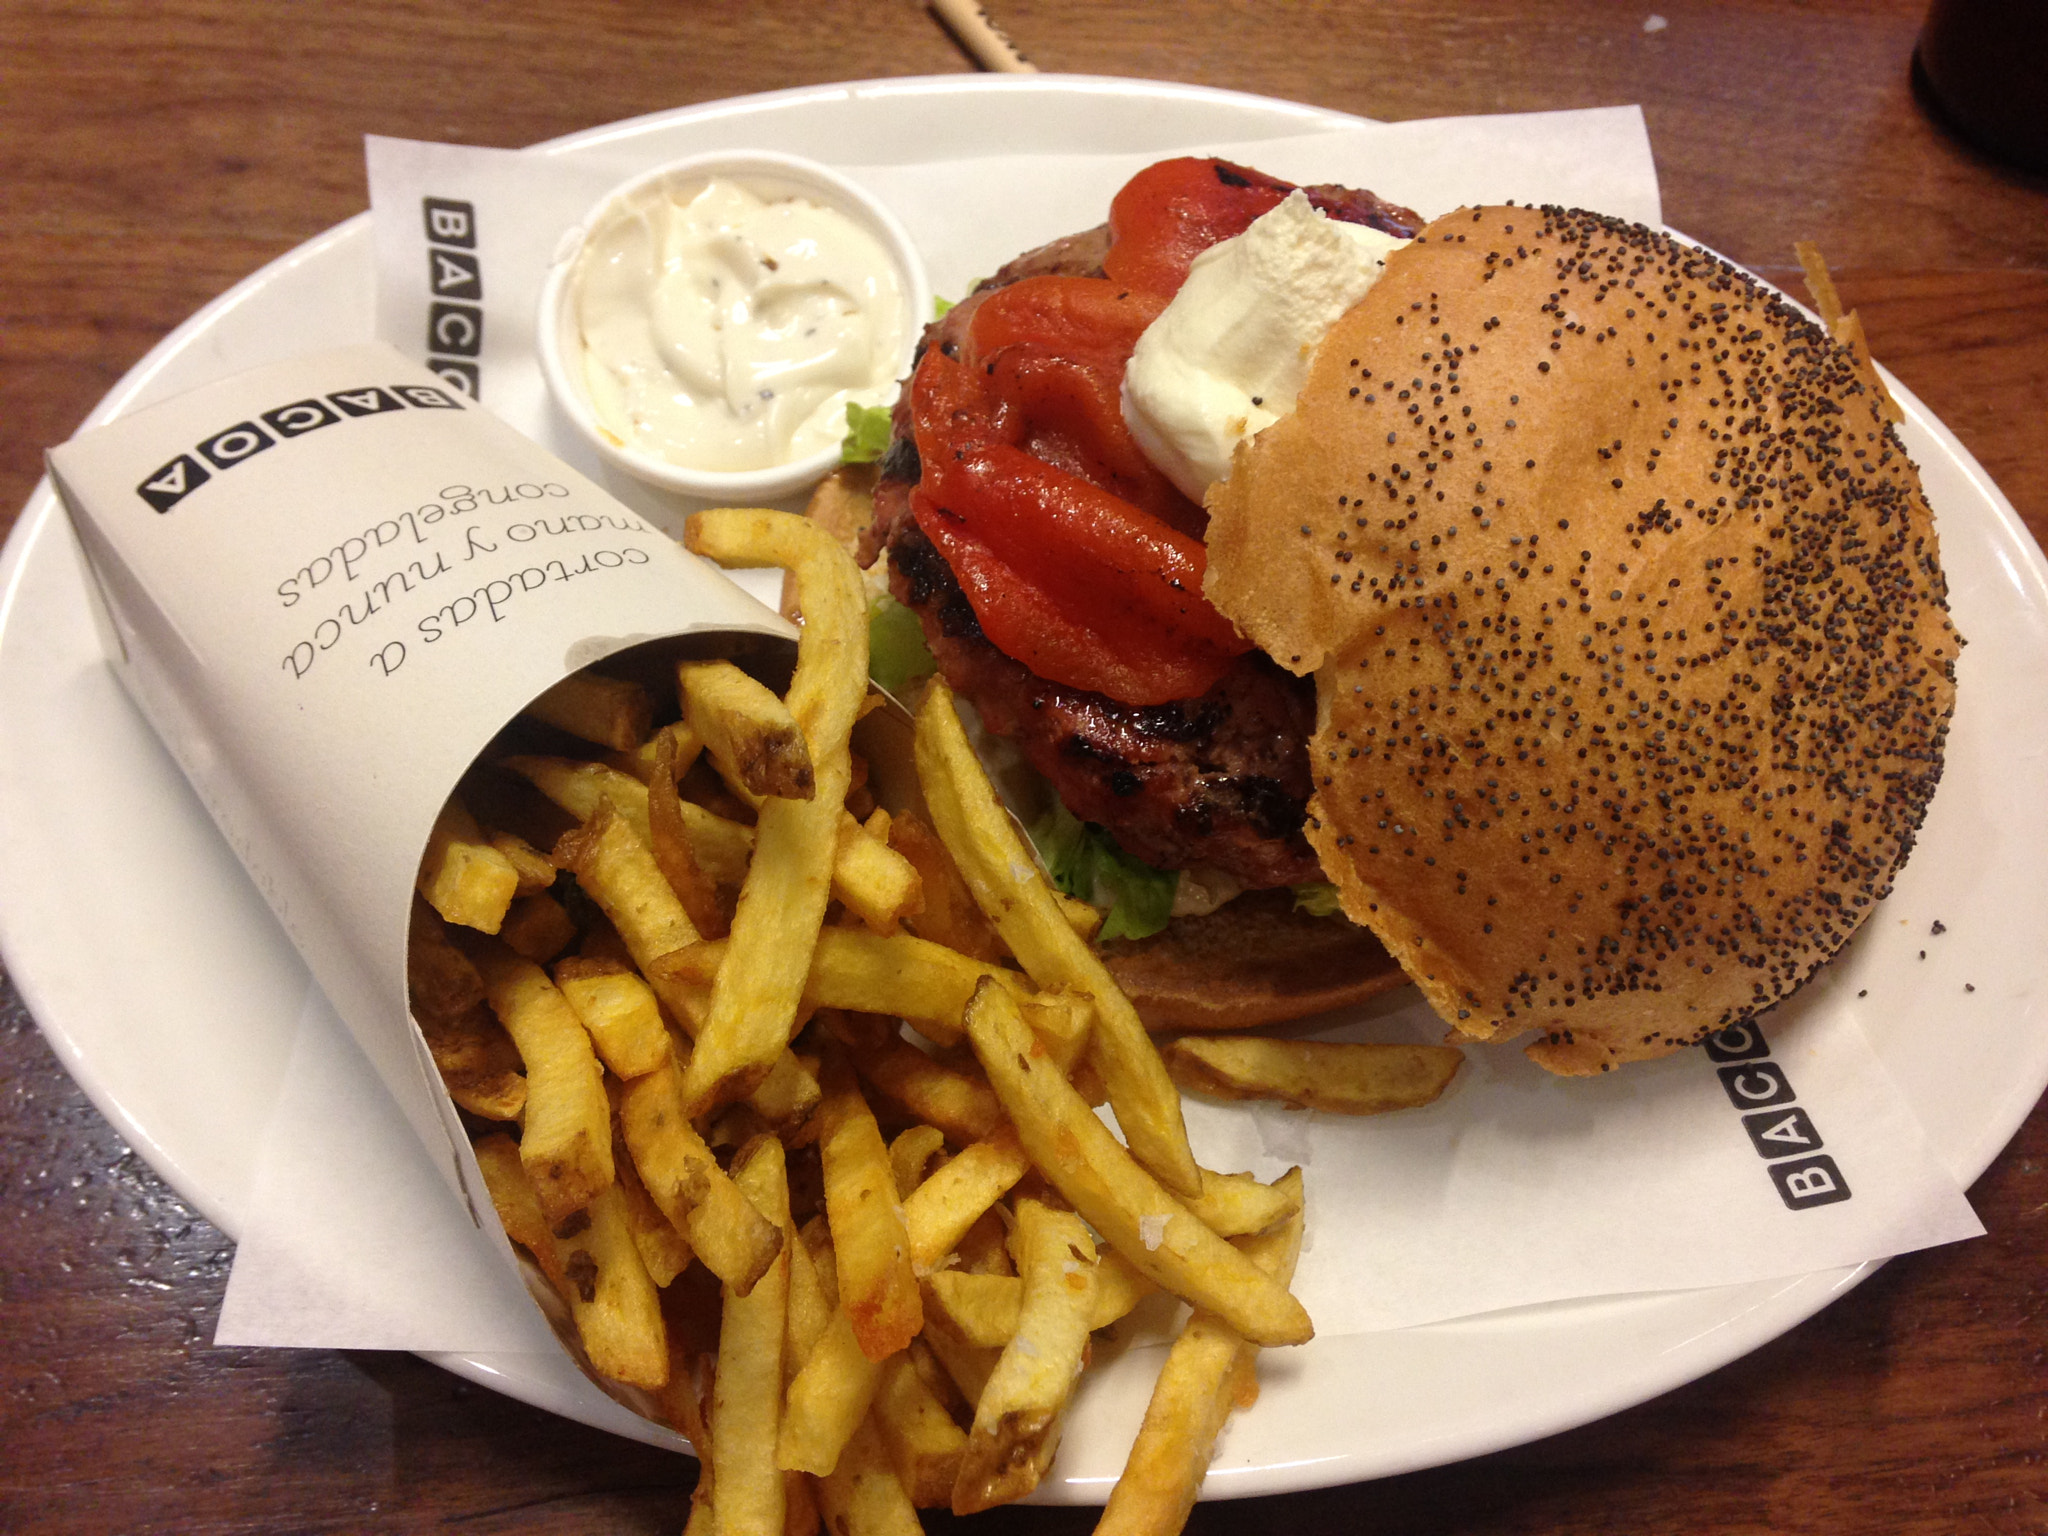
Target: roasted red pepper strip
[
  {"x": 1080, "y": 559},
  {"x": 1089, "y": 319},
  {"x": 1169, "y": 213},
  {"x": 1071, "y": 416},
  {"x": 1075, "y": 612}
]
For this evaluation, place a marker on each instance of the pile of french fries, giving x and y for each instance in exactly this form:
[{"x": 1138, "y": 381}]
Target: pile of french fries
[{"x": 860, "y": 1271}]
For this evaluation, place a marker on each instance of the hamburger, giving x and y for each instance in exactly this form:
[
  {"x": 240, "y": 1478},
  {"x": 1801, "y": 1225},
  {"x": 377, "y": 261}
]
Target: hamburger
[{"x": 1581, "y": 625}]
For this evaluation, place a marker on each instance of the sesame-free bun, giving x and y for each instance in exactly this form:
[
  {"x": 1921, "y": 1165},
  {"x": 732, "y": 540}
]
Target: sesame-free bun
[{"x": 1629, "y": 631}]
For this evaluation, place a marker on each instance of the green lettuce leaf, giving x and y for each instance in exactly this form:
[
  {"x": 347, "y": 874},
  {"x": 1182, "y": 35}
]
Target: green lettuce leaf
[
  {"x": 897, "y": 654},
  {"x": 867, "y": 434},
  {"x": 1085, "y": 861},
  {"x": 1318, "y": 898}
]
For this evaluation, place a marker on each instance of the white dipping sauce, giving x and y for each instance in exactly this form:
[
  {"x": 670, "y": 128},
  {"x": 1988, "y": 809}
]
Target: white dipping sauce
[{"x": 722, "y": 331}]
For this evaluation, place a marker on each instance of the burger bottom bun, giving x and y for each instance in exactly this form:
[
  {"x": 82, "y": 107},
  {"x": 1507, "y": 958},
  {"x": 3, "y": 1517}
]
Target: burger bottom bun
[{"x": 1253, "y": 961}]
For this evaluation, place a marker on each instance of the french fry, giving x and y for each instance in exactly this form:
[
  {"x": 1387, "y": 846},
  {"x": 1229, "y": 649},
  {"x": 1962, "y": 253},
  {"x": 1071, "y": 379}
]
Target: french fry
[
  {"x": 962, "y": 1106},
  {"x": 810, "y": 1313},
  {"x": 619, "y": 1010},
  {"x": 683, "y": 746},
  {"x": 747, "y": 1490},
  {"x": 1337, "y": 1077},
  {"x": 1196, "y": 1388},
  {"x": 1017, "y": 1416},
  {"x": 1014, "y": 893},
  {"x": 565, "y": 1141},
  {"x": 511, "y": 1192},
  {"x": 827, "y": 1399},
  {"x": 537, "y": 927},
  {"x": 983, "y": 1309},
  {"x": 967, "y": 1365},
  {"x": 911, "y": 1152},
  {"x": 984, "y": 1248},
  {"x": 843, "y": 504},
  {"x": 690, "y": 1307},
  {"x": 948, "y": 915},
  {"x": 1236, "y": 1204},
  {"x": 1132, "y": 1211},
  {"x": 682, "y": 1176},
  {"x": 609, "y": 711},
  {"x": 782, "y": 903},
  {"x": 536, "y": 871},
  {"x": 668, "y": 839},
  {"x": 614, "y": 866},
  {"x": 908, "y": 977},
  {"x": 748, "y": 732},
  {"x": 477, "y": 1061},
  {"x": 580, "y": 787},
  {"x": 877, "y": 1290},
  {"x": 722, "y": 847},
  {"x": 612, "y": 1298},
  {"x": 812, "y": 1301},
  {"x": 939, "y": 1212},
  {"x": 461, "y": 875},
  {"x": 924, "y": 1443},
  {"x": 872, "y": 879},
  {"x": 862, "y": 1496},
  {"x": 875, "y": 882},
  {"x": 440, "y": 981},
  {"x": 663, "y": 1248}
]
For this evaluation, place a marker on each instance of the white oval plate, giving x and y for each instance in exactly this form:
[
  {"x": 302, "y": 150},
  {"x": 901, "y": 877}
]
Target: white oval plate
[{"x": 170, "y": 994}]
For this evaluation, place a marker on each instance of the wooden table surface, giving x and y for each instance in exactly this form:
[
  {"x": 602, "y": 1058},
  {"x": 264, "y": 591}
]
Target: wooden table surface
[{"x": 153, "y": 152}]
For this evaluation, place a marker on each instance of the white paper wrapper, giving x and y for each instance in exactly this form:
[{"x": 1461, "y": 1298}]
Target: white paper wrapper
[{"x": 327, "y": 583}]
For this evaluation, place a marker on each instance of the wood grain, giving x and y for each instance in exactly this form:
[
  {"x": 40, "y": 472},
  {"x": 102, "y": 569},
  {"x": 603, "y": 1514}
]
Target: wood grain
[{"x": 151, "y": 155}]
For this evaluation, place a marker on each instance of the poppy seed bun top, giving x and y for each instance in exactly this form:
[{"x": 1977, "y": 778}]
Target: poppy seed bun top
[{"x": 1632, "y": 654}]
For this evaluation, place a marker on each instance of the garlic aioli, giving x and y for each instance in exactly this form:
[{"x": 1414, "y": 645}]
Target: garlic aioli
[{"x": 724, "y": 331}]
